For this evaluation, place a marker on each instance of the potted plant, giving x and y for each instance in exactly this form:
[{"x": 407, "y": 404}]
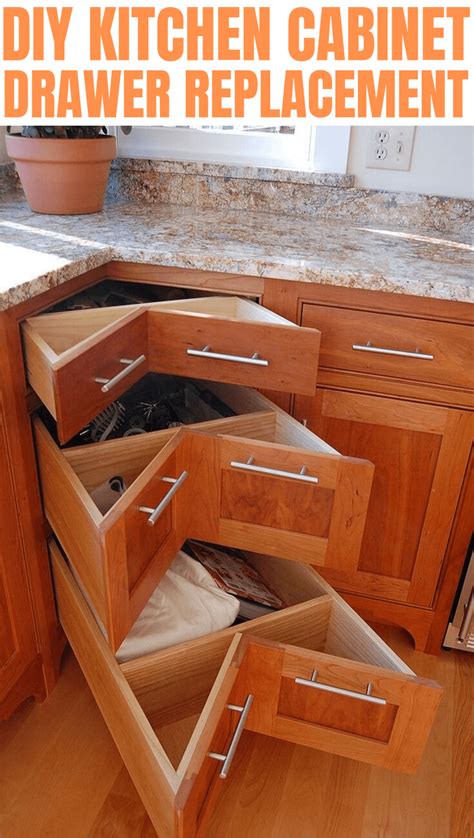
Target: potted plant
[{"x": 63, "y": 171}]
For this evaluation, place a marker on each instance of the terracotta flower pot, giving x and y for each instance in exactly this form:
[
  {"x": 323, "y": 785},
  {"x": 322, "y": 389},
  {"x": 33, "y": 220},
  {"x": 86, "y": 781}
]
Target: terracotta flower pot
[{"x": 63, "y": 177}]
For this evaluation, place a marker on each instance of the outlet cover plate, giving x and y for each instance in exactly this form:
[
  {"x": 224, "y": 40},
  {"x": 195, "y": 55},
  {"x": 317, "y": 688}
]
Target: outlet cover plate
[{"x": 396, "y": 141}]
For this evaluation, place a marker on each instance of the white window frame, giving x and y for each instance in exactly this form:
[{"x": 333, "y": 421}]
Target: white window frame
[{"x": 310, "y": 148}]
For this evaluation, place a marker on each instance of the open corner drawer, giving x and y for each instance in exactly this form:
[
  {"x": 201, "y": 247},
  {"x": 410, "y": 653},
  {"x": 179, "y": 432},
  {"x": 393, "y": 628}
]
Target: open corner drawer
[
  {"x": 313, "y": 673},
  {"x": 256, "y": 478},
  {"x": 78, "y": 362}
]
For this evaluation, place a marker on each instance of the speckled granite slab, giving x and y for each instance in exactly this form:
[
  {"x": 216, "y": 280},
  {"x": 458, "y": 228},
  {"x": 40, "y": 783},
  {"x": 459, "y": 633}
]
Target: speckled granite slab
[
  {"x": 325, "y": 197},
  {"x": 39, "y": 252}
]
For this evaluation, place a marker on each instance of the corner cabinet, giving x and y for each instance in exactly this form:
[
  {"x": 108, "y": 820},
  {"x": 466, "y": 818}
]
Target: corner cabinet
[
  {"x": 396, "y": 387},
  {"x": 411, "y": 417}
]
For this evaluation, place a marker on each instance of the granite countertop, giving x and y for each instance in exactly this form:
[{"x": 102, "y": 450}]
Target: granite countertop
[{"x": 38, "y": 252}]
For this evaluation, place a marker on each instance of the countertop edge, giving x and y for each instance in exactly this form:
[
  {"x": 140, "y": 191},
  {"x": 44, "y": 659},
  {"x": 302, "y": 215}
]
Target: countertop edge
[{"x": 464, "y": 292}]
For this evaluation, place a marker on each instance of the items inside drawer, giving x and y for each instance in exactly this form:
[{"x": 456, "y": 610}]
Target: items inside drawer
[
  {"x": 155, "y": 403},
  {"x": 174, "y": 684},
  {"x": 134, "y": 429},
  {"x": 113, "y": 292},
  {"x": 302, "y": 612}
]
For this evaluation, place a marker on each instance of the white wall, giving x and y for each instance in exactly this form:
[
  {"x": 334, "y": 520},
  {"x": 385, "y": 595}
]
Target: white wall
[{"x": 442, "y": 163}]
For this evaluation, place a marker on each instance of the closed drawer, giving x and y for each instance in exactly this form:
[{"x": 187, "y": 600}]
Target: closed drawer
[
  {"x": 390, "y": 345},
  {"x": 185, "y": 484},
  {"x": 177, "y": 716},
  {"x": 78, "y": 362}
]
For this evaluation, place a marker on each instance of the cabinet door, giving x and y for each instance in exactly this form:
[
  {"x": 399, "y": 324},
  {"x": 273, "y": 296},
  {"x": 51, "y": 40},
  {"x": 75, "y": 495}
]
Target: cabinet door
[
  {"x": 17, "y": 635},
  {"x": 420, "y": 454}
]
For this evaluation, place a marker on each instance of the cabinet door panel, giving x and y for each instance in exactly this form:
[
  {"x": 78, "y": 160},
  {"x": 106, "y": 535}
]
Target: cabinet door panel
[
  {"x": 420, "y": 454},
  {"x": 17, "y": 637}
]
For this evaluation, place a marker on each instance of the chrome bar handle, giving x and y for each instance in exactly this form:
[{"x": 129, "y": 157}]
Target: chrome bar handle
[
  {"x": 380, "y": 350},
  {"x": 467, "y": 619},
  {"x": 367, "y": 696},
  {"x": 255, "y": 360},
  {"x": 302, "y": 475},
  {"x": 130, "y": 366},
  {"x": 155, "y": 513},
  {"x": 227, "y": 758}
]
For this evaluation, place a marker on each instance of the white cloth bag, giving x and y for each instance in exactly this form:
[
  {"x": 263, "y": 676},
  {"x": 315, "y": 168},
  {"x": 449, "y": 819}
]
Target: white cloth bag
[{"x": 186, "y": 604}]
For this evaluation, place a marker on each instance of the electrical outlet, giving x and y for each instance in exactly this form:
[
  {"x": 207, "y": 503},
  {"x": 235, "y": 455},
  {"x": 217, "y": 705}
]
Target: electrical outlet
[{"x": 390, "y": 148}]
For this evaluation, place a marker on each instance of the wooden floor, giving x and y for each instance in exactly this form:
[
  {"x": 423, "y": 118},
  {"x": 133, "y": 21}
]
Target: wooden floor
[{"x": 61, "y": 775}]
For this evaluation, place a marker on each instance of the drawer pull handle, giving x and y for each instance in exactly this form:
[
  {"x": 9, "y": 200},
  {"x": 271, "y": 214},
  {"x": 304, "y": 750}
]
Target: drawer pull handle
[
  {"x": 130, "y": 366},
  {"x": 227, "y": 758},
  {"x": 367, "y": 696},
  {"x": 302, "y": 475},
  {"x": 379, "y": 350},
  {"x": 467, "y": 619},
  {"x": 155, "y": 513},
  {"x": 255, "y": 360}
]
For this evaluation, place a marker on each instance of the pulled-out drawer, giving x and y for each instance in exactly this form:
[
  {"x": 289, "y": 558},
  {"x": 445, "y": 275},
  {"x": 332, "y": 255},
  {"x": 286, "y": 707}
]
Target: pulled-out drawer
[
  {"x": 78, "y": 362},
  {"x": 177, "y": 715},
  {"x": 259, "y": 478},
  {"x": 391, "y": 345}
]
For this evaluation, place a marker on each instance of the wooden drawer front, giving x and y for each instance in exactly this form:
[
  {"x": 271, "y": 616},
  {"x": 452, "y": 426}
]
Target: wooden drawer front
[
  {"x": 119, "y": 557},
  {"x": 290, "y": 502},
  {"x": 322, "y": 701},
  {"x": 262, "y": 352},
  {"x": 394, "y": 346},
  {"x": 169, "y": 712},
  {"x": 214, "y": 494},
  {"x": 79, "y": 362},
  {"x": 72, "y": 383},
  {"x": 176, "y": 782}
]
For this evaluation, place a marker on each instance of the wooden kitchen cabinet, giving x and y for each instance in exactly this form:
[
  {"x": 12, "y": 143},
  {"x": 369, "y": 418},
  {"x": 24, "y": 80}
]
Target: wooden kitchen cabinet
[
  {"x": 20, "y": 662},
  {"x": 31, "y": 640},
  {"x": 420, "y": 453},
  {"x": 405, "y": 419},
  {"x": 396, "y": 386}
]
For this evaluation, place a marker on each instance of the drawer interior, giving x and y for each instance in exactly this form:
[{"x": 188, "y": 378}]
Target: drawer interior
[
  {"x": 59, "y": 332},
  {"x": 231, "y": 308},
  {"x": 110, "y": 293},
  {"x": 174, "y": 684}
]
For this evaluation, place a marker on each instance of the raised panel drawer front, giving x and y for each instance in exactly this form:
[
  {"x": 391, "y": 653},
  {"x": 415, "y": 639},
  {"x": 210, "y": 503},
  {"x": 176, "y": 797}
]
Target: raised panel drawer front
[
  {"x": 300, "y": 499},
  {"x": 292, "y": 502},
  {"x": 79, "y": 362},
  {"x": 177, "y": 716},
  {"x": 392, "y": 345}
]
